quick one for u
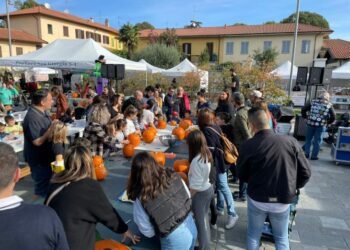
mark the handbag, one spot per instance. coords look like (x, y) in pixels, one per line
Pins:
(230, 151)
(54, 193)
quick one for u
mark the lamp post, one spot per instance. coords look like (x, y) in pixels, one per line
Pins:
(294, 47)
(9, 26)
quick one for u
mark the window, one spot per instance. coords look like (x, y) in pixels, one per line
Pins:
(305, 46)
(106, 39)
(186, 49)
(97, 37)
(49, 29)
(39, 46)
(19, 51)
(244, 48)
(65, 31)
(79, 34)
(285, 47)
(0, 51)
(229, 48)
(267, 45)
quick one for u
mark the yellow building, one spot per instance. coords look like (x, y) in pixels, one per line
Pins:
(22, 42)
(238, 43)
(49, 25)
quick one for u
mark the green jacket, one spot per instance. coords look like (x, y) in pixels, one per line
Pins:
(240, 126)
(6, 95)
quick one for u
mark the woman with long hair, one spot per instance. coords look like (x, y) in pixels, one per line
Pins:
(212, 133)
(81, 203)
(116, 105)
(201, 190)
(162, 203)
(224, 103)
(263, 105)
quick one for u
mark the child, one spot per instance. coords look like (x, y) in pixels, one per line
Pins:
(12, 127)
(116, 129)
(58, 138)
(202, 191)
(3, 134)
(130, 115)
(223, 120)
(68, 116)
(175, 117)
(148, 115)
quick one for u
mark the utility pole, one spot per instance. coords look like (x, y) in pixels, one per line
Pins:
(9, 26)
(294, 48)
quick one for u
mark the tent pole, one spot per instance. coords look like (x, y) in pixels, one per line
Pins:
(146, 77)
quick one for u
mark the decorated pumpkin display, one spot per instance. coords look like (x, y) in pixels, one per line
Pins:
(183, 176)
(185, 124)
(75, 95)
(159, 157)
(148, 136)
(173, 123)
(134, 139)
(154, 130)
(179, 133)
(161, 124)
(110, 245)
(182, 166)
(128, 150)
(101, 172)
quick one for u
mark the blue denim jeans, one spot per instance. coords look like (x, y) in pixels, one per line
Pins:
(314, 137)
(224, 194)
(279, 223)
(184, 236)
(41, 176)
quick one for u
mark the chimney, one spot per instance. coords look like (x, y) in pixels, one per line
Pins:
(225, 25)
(107, 22)
(91, 19)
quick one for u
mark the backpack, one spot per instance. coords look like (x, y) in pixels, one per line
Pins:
(230, 151)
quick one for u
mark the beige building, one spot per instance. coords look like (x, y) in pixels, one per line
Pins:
(49, 25)
(22, 42)
(238, 43)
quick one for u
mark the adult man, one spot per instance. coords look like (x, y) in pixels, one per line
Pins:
(255, 97)
(135, 100)
(24, 226)
(169, 103)
(321, 113)
(148, 94)
(274, 167)
(234, 81)
(37, 149)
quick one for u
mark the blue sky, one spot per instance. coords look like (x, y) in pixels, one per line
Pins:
(166, 13)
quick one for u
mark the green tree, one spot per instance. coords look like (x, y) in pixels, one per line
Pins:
(20, 5)
(144, 26)
(169, 37)
(194, 24)
(121, 53)
(306, 17)
(270, 22)
(129, 35)
(238, 24)
(159, 55)
(266, 58)
(204, 57)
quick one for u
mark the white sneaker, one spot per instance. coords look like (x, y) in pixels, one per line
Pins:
(220, 213)
(231, 221)
(213, 226)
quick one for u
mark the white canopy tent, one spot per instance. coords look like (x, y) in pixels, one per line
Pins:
(283, 71)
(71, 54)
(343, 72)
(150, 68)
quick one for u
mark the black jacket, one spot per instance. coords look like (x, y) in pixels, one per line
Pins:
(274, 167)
(225, 107)
(170, 208)
(215, 144)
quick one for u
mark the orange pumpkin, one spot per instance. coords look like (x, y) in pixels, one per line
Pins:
(154, 130)
(148, 136)
(134, 139)
(161, 124)
(181, 166)
(173, 123)
(128, 150)
(185, 124)
(179, 133)
(97, 160)
(111, 245)
(159, 157)
(101, 172)
(184, 177)
(75, 95)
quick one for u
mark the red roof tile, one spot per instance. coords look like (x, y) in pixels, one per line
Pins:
(20, 36)
(240, 30)
(60, 15)
(339, 49)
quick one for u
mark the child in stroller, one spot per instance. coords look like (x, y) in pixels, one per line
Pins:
(267, 229)
(333, 128)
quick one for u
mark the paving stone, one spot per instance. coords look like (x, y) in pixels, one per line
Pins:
(334, 223)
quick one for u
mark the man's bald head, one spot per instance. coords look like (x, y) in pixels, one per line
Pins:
(138, 95)
(257, 118)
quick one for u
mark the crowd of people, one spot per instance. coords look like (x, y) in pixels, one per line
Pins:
(270, 168)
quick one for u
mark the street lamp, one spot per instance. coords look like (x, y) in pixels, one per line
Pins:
(9, 25)
(294, 47)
